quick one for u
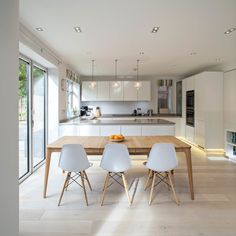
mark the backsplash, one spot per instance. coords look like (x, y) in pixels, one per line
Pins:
(121, 107)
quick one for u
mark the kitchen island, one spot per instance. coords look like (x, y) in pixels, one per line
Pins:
(131, 126)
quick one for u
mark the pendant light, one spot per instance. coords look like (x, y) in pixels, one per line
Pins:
(92, 83)
(115, 83)
(138, 83)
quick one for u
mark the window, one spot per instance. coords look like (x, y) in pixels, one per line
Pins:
(73, 98)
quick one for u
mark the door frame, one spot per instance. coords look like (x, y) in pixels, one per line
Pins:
(31, 167)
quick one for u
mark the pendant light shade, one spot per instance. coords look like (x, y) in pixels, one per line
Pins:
(138, 83)
(115, 83)
(92, 83)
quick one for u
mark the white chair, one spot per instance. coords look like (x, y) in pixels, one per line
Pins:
(162, 160)
(116, 161)
(73, 159)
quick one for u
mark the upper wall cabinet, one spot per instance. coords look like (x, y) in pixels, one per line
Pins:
(122, 91)
(130, 92)
(89, 93)
(144, 92)
(103, 91)
(116, 92)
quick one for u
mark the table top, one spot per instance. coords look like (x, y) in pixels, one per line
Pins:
(135, 144)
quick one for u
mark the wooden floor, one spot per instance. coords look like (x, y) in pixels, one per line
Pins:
(213, 212)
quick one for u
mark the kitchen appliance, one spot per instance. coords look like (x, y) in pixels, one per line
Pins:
(139, 112)
(97, 112)
(190, 108)
(134, 112)
(83, 110)
(149, 112)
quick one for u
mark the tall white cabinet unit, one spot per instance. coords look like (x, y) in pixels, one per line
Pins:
(209, 110)
(208, 96)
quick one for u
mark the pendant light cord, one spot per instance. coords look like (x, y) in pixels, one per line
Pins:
(137, 70)
(116, 69)
(92, 68)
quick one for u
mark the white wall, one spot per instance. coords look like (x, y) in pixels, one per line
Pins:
(53, 102)
(128, 107)
(230, 100)
(34, 48)
(9, 196)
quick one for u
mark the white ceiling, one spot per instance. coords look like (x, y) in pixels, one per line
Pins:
(122, 29)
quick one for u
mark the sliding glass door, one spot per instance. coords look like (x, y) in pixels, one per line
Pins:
(32, 116)
(38, 114)
(23, 83)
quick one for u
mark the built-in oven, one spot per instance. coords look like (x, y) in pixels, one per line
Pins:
(190, 108)
(190, 117)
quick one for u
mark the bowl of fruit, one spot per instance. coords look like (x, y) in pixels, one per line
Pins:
(116, 138)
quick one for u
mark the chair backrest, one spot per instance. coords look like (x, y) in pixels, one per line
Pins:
(73, 158)
(162, 157)
(115, 158)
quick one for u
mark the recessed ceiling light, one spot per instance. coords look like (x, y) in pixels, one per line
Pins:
(193, 53)
(155, 29)
(39, 29)
(77, 29)
(230, 30)
(141, 53)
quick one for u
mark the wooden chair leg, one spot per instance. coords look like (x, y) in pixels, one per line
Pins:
(126, 187)
(82, 180)
(152, 187)
(173, 190)
(88, 180)
(64, 187)
(147, 179)
(167, 180)
(105, 187)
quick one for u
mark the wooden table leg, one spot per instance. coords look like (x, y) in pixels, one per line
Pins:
(190, 171)
(47, 167)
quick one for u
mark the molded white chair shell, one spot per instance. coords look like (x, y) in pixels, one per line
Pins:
(162, 157)
(73, 158)
(115, 158)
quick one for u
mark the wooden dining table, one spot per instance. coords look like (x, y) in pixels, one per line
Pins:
(137, 145)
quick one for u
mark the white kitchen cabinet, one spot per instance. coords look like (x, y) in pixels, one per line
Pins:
(106, 130)
(116, 93)
(200, 133)
(144, 92)
(130, 92)
(184, 99)
(89, 130)
(68, 130)
(209, 108)
(131, 130)
(153, 130)
(89, 93)
(190, 133)
(103, 91)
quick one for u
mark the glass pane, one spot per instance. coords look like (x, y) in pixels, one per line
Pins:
(38, 114)
(23, 118)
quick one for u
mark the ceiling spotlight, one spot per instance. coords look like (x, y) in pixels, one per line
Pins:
(155, 29)
(77, 29)
(39, 29)
(230, 30)
(193, 53)
(141, 53)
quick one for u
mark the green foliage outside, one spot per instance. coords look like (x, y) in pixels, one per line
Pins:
(22, 91)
